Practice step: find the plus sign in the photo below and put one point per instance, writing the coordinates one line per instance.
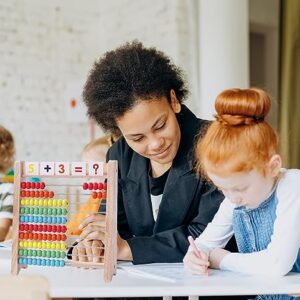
(47, 168)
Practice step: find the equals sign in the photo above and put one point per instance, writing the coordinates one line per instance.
(78, 169)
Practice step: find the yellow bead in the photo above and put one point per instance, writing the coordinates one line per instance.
(23, 201)
(36, 202)
(54, 202)
(29, 244)
(41, 202)
(49, 202)
(34, 244)
(21, 244)
(59, 202)
(45, 202)
(39, 245)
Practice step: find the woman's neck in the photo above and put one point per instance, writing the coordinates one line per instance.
(158, 169)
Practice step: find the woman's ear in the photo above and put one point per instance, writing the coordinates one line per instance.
(274, 165)
(176, 106)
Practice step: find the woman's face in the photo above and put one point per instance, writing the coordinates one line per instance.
(152, 130)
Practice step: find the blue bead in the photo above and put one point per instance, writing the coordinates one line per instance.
(43, 262)
(49, 219)
(54, 220)
(48, 262)
(64, 220)
(52, 263)
(40, 219)
(34, 261)
(21, 219)
(36, 219)
(29, 219)
(57, 263)
(29, 261)
(44, 219)
(62, 263)
(38, 261)
(26, 219)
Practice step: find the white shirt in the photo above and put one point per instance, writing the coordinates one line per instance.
(6, 199)
(281, 253)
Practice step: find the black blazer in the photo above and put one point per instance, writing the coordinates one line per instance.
(188, 203)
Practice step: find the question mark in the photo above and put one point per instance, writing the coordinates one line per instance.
(96, 167)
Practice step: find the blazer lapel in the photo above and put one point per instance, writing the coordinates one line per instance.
(136, 193)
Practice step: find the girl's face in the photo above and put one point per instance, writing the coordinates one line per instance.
(248, 189)
(152, 130)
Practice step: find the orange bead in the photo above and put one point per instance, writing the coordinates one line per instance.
(32, 194)
(30, 235)
(21, 235)
(26, 236)
(46, 194)
(42, 194)
(27, 193)
(99, 196)
(51, 194)
(94, 195)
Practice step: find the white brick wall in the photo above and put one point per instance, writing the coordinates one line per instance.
(45, 45)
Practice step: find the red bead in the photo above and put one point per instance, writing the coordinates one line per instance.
(99, 195)
(43, 185)
(21, 227)
(49, 228)
(38, 185)
(100, 185)
(51, 194)
(105, 186)
(54, 228)
(26, 227)
(28, 185)
(40, 228)
(96, 186)
(94, 195)
(33, 227)
(23, 185)
(85, 186)
(63, 229)
(33, 185)
(44, 228)
(91, 186)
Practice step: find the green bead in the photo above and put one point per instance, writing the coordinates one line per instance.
(59, 211)
(49, 254)
(44, 253)
(64, 211)
(39, 253)
(21, 252)
(36, 211)
(29, 252)
(53, 254)
(25, 252)
(31, 210)
(27, 210)
(54, 211)
(49, 211)
(33, 252)
(22, 210)
(62, 254)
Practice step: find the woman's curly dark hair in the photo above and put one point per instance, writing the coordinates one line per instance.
(126, 75)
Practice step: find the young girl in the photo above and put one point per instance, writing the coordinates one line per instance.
(239, 154)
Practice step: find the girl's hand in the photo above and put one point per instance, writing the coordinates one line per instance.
(195, 264)
(216, 256)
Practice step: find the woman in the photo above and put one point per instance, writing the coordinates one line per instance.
(137, 92)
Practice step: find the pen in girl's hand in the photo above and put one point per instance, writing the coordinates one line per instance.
(196, 251)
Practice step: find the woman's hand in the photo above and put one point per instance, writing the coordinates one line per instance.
(195, 264)
(92, 241)
(216, 256)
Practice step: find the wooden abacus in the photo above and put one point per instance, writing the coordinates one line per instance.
(43, 230)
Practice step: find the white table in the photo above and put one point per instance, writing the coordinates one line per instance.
(75, 282)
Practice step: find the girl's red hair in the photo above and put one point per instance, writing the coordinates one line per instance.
(240, 139)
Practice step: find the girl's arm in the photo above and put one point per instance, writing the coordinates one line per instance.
(219, 231)
(280, 255)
